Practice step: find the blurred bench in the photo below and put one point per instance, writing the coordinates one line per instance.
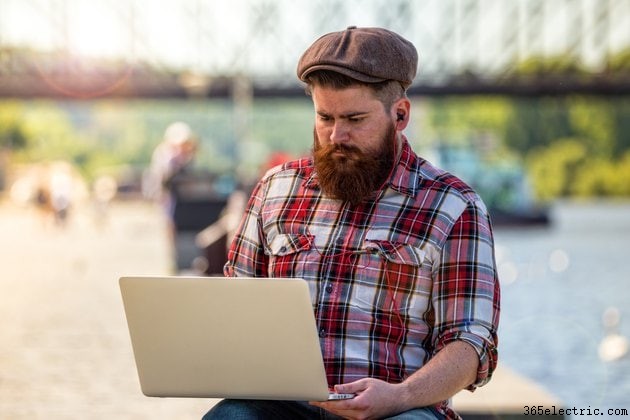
(197, 206)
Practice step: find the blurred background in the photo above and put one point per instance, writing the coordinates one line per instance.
(132, 131)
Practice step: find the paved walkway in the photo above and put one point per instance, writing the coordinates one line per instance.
(64, 347)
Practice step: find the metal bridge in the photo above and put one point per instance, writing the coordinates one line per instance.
(178, 48)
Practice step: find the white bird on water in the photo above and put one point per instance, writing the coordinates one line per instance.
(613, 346)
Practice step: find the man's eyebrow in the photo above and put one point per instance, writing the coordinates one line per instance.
(353, 114)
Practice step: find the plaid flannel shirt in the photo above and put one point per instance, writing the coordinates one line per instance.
(393, 280)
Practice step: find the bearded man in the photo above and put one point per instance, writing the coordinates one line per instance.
(398, 254)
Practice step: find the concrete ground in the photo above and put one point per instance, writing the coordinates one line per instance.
(64, 348)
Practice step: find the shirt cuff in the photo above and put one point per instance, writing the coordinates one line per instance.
(486, 351)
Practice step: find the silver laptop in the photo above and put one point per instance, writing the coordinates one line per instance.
(209, 337)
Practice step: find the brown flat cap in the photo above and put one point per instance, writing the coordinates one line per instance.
(369, 55)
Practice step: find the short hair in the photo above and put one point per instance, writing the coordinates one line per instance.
(386, 92)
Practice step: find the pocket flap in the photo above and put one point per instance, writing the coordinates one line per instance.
(286, 244)
(397, 252)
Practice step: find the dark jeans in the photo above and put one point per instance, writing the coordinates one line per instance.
(294, 410)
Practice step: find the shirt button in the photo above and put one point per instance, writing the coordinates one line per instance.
(283, 249)
(322, 332)
(329, 288)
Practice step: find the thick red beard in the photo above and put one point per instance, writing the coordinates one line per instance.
(348, 174)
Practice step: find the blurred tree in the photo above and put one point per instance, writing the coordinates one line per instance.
(51, 135)
(619, 64)
(593, 120)
(537, 122)
(596, 178)
(459, 121)
(554, 168)
(546, 66)
(620, 113)
(12, 136)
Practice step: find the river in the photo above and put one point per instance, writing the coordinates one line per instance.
(557, 282)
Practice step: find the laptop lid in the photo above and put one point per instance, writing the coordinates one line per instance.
(209, 337)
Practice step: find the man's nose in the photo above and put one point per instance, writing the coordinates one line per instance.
(340, 133)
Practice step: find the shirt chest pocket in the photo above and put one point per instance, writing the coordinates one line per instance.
(290, 255)
(390, 276)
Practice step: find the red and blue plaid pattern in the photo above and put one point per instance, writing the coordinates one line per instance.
(393, 280)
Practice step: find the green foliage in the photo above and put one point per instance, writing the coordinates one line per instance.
(559, 64)
(593, 119)
(12, 136)
(620, 115)
(536, 122)
(567, 169)
(571, 146)
(600, 177)
(455, 118)
(553, 169)
(51, 135)
(577, 145)
(623, 175)
(619, 63)
(285, 125)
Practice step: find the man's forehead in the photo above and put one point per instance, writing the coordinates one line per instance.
(346, 102)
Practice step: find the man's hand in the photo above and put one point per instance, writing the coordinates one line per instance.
(374, 399)
(452, 369)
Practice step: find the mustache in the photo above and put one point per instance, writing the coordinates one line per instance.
(343, 148)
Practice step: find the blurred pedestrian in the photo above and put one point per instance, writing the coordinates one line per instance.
(104, 190)
(172, 160)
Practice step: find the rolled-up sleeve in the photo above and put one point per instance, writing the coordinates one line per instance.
(466, 289)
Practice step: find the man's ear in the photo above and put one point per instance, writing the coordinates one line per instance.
(402, 108)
